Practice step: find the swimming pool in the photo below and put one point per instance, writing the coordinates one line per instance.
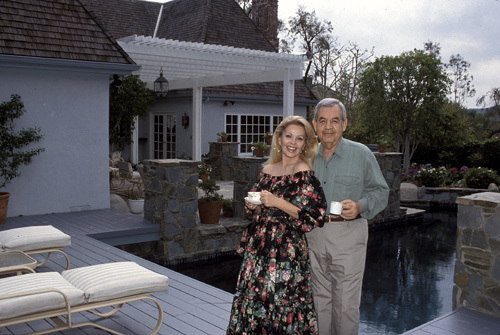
(408, 276)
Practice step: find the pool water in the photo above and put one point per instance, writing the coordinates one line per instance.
(408, 277)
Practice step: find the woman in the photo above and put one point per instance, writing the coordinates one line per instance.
(273, 293)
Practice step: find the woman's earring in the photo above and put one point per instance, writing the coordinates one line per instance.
(277, 149)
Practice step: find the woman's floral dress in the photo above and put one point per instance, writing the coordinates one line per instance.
(273, 293)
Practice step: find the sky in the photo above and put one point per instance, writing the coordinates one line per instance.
(470, 28)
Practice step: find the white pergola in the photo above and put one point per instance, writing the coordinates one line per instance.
(188, 65)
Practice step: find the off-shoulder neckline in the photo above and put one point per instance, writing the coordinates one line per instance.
(287, 175)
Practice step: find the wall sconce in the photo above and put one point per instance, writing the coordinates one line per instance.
(185, 120)
(161, 85)
(117, 82)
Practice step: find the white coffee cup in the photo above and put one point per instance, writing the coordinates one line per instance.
(335, 208)
(254, 196)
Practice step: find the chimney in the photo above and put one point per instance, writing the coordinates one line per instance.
(265, 16)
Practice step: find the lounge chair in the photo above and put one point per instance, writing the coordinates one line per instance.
(35, 240)
(58, 296)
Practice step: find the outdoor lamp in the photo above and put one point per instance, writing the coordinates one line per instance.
(161, 85)
(185, 120)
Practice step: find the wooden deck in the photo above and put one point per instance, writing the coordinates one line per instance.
(190, 307)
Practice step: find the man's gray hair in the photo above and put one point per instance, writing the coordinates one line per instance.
(330, 102)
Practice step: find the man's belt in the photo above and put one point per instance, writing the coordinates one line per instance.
(332, 218)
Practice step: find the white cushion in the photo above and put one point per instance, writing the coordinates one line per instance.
(115, 280)
(34, 238)
(13, 307)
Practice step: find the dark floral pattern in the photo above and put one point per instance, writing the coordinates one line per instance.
(273, 293)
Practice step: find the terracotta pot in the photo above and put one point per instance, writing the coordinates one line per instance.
(381, 148)
(209, 211)
(4, 202)
(228, 214)
(203, 176)
(260, 153)
(269, 141)
(224, 138)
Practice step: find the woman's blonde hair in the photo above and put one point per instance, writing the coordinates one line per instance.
(311, 148)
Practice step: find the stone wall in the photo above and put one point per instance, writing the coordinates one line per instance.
(390, 165)
(171, 200)
(411, 194)
(246, 174)
(477, 266)
(220, 157)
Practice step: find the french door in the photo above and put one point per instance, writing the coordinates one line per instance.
(164, 136)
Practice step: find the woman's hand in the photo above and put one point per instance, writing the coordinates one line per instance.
(251, 206)
(268, 199)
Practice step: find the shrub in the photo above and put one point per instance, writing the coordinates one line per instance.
(481, 178)
(426, 175)
(210, 188)
(431, 177)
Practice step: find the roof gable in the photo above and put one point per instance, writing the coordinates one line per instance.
(61, 29)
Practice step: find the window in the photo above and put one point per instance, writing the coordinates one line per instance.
(250, 128)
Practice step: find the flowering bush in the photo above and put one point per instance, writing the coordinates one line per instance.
(204, 169)
(268, 135)
(426, 175)
(481, 177)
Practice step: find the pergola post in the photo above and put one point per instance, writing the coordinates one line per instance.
(197, 104)
(288, 94)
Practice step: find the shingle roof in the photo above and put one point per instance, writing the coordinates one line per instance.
(220, 22)
(60, 29)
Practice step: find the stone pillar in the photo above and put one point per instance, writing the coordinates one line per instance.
(246, 174)
(171, 200)
(390, 165)
(220, 157)
(477, 265)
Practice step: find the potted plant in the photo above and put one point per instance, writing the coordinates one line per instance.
(223, 136)
(260, 148)
(128, 100)
(268, 138)
(135, 201)
(204, 171)
(383, 142)
(210, 204)
(11, 144)
(228, 207)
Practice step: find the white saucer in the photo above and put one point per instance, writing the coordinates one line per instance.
(255, 202)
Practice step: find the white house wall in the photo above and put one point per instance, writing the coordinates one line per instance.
(71, 108)
(213, 120)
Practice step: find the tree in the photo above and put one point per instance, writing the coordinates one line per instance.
(402, 96)
(127, 101)
(344, 74)
(492, 114)
(462, 87)
(12, 142)
(246, 5)
(308, 29)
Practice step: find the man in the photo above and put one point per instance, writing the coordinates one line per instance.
(350, 174)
